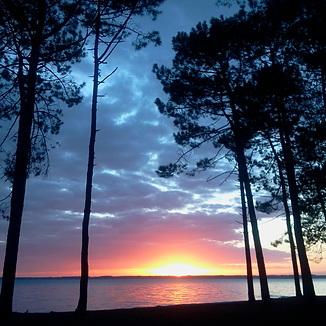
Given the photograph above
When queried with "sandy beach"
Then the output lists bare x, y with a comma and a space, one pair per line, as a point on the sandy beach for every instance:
286, 311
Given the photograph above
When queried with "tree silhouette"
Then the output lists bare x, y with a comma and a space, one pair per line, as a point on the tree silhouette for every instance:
257, 71
204, 85
40, 41
250, 280
287, 90
109, 24
276, 185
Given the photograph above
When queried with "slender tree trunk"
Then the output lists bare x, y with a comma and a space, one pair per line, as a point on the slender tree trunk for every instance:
83, 294
27, 103
244, 177
288, 223
16, 210
307, 282
293, 250
292, 243
250, 282
239, 143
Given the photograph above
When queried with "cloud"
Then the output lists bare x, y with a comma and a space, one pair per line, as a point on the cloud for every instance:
138, 219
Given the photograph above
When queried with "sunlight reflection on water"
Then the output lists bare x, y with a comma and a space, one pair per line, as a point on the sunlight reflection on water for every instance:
61, 294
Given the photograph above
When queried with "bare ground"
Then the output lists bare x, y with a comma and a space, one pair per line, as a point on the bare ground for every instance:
287, 311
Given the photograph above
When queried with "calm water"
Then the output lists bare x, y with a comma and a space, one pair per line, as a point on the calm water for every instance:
61, 294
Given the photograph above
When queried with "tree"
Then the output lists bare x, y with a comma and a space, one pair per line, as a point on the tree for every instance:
301, 24
109, 24
310, 140
265, 76
204, 84
279, 194
288, 91
284, 129
281, 90
250, 281
41, 40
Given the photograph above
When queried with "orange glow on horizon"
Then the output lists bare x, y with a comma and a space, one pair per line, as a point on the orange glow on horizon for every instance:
179, 269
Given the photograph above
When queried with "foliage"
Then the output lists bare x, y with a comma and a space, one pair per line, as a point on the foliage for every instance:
248, 83
41, 40
60, 46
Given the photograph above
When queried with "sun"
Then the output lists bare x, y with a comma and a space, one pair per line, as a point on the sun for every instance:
179, 270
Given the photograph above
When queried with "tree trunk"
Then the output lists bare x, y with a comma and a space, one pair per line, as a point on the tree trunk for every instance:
293, 250
16, 210
27, 90
244, 177
239, 148
284, 132
250, 282
307, 282
83, 293
288, 222
27, 102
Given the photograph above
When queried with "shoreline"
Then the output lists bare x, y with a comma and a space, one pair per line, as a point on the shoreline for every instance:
276, 276
281, 311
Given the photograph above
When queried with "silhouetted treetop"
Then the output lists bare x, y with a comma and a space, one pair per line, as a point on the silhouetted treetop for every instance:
46, 37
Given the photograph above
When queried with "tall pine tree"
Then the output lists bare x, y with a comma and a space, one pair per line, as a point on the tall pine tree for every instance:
41, 40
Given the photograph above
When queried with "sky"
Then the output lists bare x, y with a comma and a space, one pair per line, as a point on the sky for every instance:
140, 224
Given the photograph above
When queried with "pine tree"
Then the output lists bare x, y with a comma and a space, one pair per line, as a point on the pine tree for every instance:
41, 40
109, 24
204, 84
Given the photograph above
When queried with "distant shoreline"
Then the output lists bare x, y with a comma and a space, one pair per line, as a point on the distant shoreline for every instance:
165, 277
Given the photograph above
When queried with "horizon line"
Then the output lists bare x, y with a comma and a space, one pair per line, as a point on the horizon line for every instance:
171, 276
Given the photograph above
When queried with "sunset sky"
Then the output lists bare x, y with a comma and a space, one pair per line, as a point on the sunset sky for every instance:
140, 223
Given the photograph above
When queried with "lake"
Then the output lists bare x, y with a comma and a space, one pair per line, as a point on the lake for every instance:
61, 294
